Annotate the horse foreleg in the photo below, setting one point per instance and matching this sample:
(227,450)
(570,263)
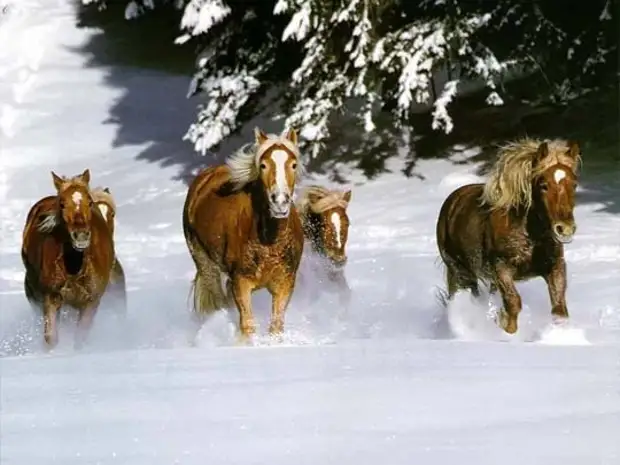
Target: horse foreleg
(85,322)
(242,294)
(556,283)
(280,297)
(509,315)
(51,305)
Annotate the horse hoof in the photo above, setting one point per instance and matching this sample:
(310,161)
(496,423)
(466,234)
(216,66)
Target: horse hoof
(505,322)
(244,339)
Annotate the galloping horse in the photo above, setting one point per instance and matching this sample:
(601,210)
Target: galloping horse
(102,197)
(68,251)
(513,227)
(326,229)
(243,230)
(107,206)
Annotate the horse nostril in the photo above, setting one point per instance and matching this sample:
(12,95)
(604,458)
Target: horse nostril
(272,197)
(287,197)
(559,229)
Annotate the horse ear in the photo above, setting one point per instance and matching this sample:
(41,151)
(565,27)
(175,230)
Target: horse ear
(291,135)
(57,181)
(574,151)
(541,153)
(85,176)
(259,135)
(347,196)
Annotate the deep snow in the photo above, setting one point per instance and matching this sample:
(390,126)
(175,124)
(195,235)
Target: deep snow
(397,382)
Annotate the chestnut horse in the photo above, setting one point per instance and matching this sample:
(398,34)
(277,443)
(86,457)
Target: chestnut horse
(69,260)
(107,206)
(102,197)
(326,229)
(243,230)
(513,227)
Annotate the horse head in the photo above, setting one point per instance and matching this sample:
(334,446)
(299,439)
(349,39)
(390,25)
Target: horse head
(74,206)
(278,167)
(106,204)
(327,222)
(553,188)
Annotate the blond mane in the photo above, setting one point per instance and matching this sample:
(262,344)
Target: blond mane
(510,181)
(244,163)
(319,199)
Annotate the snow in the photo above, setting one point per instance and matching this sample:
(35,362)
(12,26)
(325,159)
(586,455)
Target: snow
(396,381)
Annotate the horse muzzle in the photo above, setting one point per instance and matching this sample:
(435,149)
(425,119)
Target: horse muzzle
(80,240)
(338,263)
(564,232)
(280,204)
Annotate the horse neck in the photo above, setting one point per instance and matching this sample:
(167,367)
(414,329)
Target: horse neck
(532,221)
(268,228)
(312,231)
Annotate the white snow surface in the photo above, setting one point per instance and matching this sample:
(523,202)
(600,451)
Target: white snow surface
(396,381)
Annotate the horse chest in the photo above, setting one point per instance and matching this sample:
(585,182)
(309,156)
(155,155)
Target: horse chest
(78,289)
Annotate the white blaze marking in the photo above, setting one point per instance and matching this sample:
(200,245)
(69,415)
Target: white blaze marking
(77,198)
(103,208)
(280,157)
(335,219)
(559,175)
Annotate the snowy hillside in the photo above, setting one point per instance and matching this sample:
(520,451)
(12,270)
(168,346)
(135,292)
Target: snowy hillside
(398,382)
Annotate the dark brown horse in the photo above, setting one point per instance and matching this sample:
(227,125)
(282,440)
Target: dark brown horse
(326,230)
(513,227)
(68,251)
(243,230)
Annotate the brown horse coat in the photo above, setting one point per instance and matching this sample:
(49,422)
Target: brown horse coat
(236,242)
(56,272)
(513,227)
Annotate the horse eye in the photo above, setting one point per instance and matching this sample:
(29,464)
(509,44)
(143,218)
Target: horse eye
(294,166)
(263,166)
(544,187)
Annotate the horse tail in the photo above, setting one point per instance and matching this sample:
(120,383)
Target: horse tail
(206,288)
(117,287)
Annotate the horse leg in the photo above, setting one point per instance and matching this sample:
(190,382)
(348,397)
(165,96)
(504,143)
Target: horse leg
(242,293)
(344,293)
(556,283)
(51,305)
(117,288)
(509,315)
(85,323)
(281,293)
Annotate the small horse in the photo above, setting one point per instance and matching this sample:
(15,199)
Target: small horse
(107,206)
(102,197)
(68,251)
(326,229)
(243,231)
(514,226)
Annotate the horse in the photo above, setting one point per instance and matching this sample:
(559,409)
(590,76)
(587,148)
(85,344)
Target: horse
(326,229)
(102,197)
(107,206)
(67,251)
(514,226)
(243,231)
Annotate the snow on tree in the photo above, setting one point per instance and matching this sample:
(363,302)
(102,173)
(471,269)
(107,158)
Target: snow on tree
(319,56)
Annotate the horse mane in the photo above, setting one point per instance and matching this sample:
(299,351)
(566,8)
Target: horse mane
(510,181)
(319,199)
(244,163)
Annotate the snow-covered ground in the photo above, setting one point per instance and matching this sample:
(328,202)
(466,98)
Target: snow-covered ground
(398,382)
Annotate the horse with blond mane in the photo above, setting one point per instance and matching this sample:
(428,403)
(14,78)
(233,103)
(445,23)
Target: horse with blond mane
(243,230)
(68,251)
(326,229)
(514,226)
(107,206)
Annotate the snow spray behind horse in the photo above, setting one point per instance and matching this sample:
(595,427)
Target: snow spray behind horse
(326,229)
(243,230)
(513,227)
(68,252)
